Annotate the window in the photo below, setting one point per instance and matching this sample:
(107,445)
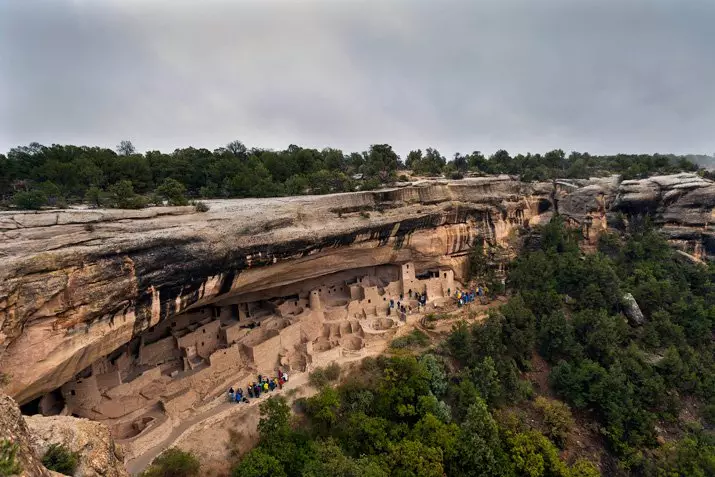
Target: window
(445,275)
(369,301)
(204,330)
(202,343)
(73,392)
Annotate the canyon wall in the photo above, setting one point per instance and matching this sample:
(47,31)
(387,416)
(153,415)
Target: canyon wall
(76,285)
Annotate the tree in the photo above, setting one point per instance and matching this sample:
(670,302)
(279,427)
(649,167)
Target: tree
(329,460)
(29,200)
(258,463)
(94,196)
(123,196)
(480,450)
(173,192)
(557,419)
(275,418)
(126,148)
(381,162)
(413,459)
(237,149)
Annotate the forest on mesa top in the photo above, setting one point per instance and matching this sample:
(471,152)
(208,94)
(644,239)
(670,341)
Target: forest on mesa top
(35,176)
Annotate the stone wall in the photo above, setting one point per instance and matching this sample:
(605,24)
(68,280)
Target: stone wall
(159,352)
(179,403)
(225,358)
(81,394)
(206,339)
(265,354)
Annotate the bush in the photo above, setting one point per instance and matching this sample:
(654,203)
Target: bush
(322,376)
(201,206)
(173,191)
(123,196)
(557,419)
(30,200)
(404,178)
(60,459)
(415,339)
(8,452)
(173,463)
(94,196)
(365,215)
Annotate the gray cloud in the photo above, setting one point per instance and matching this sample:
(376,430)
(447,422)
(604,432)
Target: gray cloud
(596,75)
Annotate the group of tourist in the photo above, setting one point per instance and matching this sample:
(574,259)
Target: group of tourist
(465,297)
(263,385)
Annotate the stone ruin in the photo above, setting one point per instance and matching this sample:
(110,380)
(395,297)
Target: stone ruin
(195,356)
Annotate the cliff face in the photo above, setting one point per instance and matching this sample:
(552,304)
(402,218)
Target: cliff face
(76,285)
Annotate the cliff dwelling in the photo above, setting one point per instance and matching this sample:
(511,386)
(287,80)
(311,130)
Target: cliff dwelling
(192,357)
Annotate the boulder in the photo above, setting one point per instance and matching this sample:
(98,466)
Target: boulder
(99,456)
(14,430)
(632,310)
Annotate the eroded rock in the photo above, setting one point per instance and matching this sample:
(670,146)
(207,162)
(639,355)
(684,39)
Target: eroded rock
(14,429)
(98,454)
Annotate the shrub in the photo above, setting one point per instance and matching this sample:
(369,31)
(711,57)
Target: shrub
(8,452)
(94,196)
(30,200)
(365,215)
(173,463)
(415,339)
(258,463)
(60,459)
(557,419)
(322,376)
(123,196)
(201,206)
(404,178)
(173,191)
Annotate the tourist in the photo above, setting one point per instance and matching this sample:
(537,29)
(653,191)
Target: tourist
(392,303)
(265,386)
(239,396)
(250,391)
(230,395)
(285,377)
(271,384)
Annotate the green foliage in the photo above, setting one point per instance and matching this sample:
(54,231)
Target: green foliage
(329,459)
(29,200)
(122,196)
(94,196)
(534,455)
(8,458)
(60,459)
(557,419)
(414,339)
(258,463)
(275,418)
(238,171)
(173,191)
(321,377)
(434,365)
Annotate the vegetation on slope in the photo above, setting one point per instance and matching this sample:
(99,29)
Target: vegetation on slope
(35,176)
(465,408)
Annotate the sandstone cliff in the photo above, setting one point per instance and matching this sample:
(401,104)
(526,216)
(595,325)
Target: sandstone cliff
(76,285)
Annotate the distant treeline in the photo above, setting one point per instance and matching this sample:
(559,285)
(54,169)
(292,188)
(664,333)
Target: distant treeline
(34,176)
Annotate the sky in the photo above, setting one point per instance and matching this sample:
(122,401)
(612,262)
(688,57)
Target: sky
(602,76)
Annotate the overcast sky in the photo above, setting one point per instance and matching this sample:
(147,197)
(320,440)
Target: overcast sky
(590,75)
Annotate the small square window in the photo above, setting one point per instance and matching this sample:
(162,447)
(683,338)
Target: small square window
(73,392)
